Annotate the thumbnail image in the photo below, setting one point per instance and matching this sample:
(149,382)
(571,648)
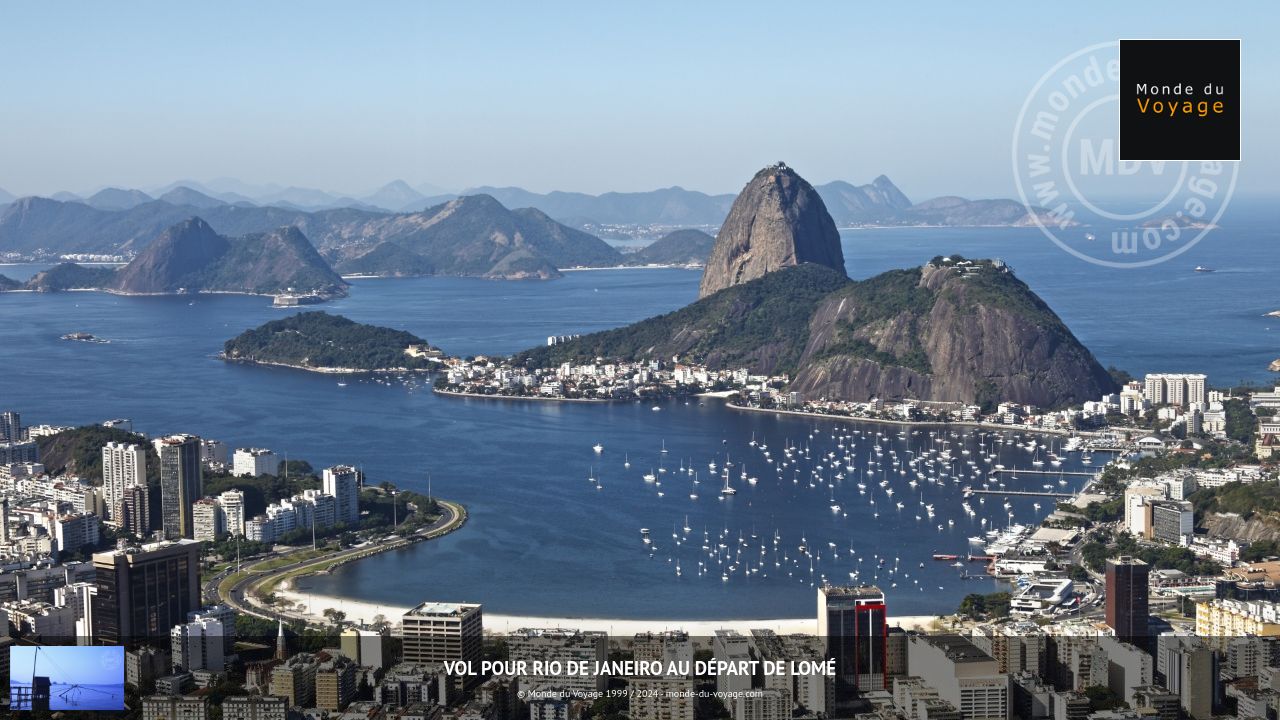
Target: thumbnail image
(66,678)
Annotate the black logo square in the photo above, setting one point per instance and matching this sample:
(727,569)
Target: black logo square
(1179,99)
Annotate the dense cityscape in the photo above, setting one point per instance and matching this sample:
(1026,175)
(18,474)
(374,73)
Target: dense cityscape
(1133,598)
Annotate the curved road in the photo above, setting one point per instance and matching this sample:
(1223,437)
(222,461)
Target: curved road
(236,594)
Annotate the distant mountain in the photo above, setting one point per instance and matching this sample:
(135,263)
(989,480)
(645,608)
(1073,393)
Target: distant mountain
(681,247)
(64,196)
(7,283)
(396,196)
(117,199)
(185,196)
(668,206)
(387,259)
(300,198)
(852,203)
(474,235)
(32,225)
(953,211)
(778,220)
(5,197)
(190,256)
(882,203)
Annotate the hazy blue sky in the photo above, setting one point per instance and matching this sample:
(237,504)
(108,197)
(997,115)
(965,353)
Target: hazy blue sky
(68,664)
(589,96)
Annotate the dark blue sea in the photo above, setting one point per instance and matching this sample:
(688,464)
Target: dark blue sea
(542,539)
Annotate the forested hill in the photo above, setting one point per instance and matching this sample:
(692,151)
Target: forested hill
(320,341)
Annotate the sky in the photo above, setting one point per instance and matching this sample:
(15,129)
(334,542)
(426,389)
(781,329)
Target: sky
(82,665)
(588,97)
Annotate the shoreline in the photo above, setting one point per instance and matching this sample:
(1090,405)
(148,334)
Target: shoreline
(538,398)
(323,370)
(633,267)
(364,611)
(921,423)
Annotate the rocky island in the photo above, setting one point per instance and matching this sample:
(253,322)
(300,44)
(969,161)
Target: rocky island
(319,342)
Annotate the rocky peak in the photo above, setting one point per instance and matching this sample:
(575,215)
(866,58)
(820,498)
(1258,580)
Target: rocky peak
(889,193)
(778,220)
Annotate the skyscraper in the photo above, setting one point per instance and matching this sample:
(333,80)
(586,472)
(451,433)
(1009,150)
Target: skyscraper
(340,482)
(853,621)
(135,510)
(437,632)
(124,465)
(232,504)
(10,426)
(142,592)
(181,483)
(1127,588)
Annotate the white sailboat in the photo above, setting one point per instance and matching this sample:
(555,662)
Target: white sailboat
(727,489)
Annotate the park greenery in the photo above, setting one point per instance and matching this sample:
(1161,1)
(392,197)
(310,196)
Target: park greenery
(991,606)
(1160,557)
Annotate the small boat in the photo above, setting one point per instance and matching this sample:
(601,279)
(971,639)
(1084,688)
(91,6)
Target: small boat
(1201,268)
(342,384)
(598,448)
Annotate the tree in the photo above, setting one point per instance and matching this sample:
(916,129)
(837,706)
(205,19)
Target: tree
(335,616)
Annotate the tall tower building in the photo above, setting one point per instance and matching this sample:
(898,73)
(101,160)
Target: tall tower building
(853,622)
(1127,611)
(124,465)
(435,632)
(142,592)
(135,510)
(181,483)
(10,426)
(232,504)
(340,482)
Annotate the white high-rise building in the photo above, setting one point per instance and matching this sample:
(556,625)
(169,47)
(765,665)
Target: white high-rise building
(232,504)
(252,462)
(207,519)
(1180,389)
(199,645)
(340,481)
(124,465)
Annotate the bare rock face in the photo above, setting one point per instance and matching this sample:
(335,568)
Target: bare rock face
(966,332)
(778,220)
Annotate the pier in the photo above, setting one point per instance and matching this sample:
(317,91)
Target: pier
(1055,473)
(1027,493)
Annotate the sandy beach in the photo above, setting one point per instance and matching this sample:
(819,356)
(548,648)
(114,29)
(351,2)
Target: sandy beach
(356,610)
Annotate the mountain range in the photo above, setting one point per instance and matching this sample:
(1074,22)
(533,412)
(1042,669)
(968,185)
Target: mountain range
(472,235)
(877,203)
(775,298)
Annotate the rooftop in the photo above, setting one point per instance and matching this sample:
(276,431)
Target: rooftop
(956,648)
(443,609)
(869,592)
